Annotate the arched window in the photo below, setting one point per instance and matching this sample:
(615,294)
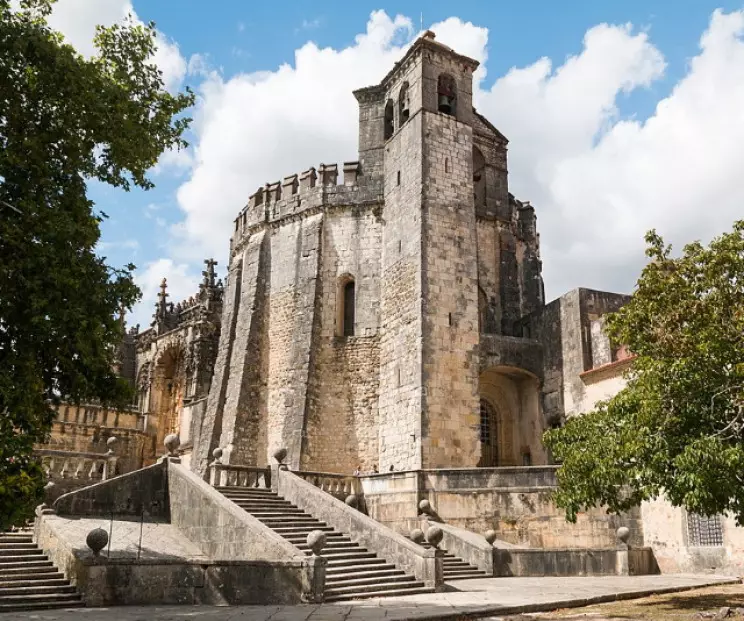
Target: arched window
(346,307)
(447,94)
(404,104)
(488,435)
(389,120)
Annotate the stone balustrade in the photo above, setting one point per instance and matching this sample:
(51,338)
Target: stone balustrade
(87,468)
(337,485)
(226,475)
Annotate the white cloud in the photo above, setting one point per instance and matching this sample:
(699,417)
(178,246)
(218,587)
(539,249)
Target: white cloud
(182,282)
(126,244)
(77,21)
(259,127)
(598,181)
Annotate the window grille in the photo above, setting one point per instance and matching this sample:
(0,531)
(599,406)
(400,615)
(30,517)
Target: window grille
(703,530)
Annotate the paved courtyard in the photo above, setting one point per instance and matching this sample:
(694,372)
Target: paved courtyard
(487,597)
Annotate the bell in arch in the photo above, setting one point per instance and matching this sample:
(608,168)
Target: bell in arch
(446,104)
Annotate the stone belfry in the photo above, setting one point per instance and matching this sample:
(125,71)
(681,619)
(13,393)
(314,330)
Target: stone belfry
(416,129)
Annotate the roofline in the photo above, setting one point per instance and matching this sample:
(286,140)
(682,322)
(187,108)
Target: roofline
(425,40)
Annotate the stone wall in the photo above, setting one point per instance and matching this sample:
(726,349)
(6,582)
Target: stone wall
(515,502)
(127,495)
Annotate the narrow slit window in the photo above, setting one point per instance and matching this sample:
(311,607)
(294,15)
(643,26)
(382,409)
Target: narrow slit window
(348,315)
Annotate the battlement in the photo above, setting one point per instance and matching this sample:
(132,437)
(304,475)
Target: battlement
(299,192)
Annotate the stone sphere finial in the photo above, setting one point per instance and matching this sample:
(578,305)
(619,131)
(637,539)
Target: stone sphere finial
(417,536)
(316,540)
(352,501)
(425,507)
(97,540)
(111,444)
(172,442)
(217,454)
(490,536)
(623,534)
(434,535)
(280,455)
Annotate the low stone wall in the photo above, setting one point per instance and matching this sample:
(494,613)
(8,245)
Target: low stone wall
(127,581)
(515,502)
(125,495)
(425,564)
(538,563)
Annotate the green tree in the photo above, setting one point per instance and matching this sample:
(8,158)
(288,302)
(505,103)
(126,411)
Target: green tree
(677,427)
(65,120)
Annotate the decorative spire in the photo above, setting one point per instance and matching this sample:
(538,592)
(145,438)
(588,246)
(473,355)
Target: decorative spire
(209,273)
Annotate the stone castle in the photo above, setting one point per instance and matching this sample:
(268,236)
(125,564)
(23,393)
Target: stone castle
(390,321)
(394,319)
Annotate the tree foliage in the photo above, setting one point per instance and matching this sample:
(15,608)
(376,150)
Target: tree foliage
(677,427)
(66,120)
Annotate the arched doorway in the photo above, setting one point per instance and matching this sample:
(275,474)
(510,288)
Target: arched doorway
(511,424)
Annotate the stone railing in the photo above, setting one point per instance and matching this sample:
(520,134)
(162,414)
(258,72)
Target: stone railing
(339,486)
(87,468)
(226,475)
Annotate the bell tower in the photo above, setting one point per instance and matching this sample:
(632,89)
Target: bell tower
(428,408)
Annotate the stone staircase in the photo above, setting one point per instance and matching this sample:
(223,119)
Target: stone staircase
(352,572)
(456,568)
(28,579)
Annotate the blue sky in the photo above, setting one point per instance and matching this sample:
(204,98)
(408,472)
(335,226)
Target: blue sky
(588,144)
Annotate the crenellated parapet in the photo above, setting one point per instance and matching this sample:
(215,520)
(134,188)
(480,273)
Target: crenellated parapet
(304,193)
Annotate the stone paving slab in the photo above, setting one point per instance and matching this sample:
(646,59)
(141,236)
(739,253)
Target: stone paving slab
(466,599)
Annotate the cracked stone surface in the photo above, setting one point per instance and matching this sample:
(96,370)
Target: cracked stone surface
(482,598)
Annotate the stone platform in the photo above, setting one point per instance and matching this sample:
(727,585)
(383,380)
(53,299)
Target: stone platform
(464,599)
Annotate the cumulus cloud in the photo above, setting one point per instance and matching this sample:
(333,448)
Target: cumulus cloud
(598,181)
(77,21)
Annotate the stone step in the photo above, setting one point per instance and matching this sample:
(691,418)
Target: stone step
(287,531)
(470,576)
(34,581)
(347,556)
(333,535)
(354,580)
(302,540)
(11,591)
(27,550)
(278,514)
(41,598)
(292,521)
(361,563)
(377,590)
(361,570)
(228,489)
(46,573)
(45,605)
(264,506)
(331,546)
(254,495)
(21,558)
(16,543)
(457,564)
(6,568)
(14,537)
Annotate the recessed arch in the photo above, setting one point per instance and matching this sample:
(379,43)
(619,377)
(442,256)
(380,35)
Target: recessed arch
(447,94)
(346,305)
(389,120)
(404,104)
(510,406)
